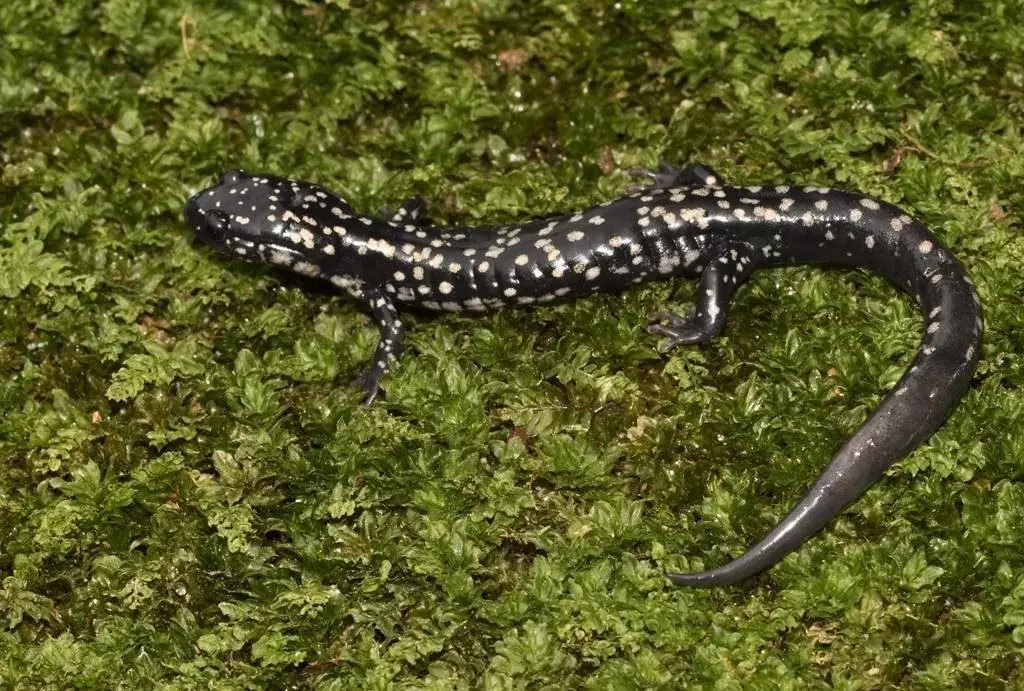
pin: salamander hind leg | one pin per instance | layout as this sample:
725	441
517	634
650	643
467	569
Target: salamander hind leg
670	176
389	347
722	275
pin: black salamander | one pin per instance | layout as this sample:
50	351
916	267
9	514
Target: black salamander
686	223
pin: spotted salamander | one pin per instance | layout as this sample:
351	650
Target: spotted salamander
682	223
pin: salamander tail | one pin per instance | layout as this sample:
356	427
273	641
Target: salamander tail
907	416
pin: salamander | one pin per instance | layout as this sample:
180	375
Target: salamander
681	223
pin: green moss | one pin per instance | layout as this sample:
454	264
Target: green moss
191	494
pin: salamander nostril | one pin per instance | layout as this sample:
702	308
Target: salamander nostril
217	220
231	177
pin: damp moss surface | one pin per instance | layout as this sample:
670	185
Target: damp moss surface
192	495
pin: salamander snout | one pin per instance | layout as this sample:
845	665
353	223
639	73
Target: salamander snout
194	218
230	214
266	218
212	209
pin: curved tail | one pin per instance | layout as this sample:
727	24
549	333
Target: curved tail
907	415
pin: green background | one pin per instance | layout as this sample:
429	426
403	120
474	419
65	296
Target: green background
192	494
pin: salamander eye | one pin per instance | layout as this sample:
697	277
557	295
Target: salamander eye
217	220
231	177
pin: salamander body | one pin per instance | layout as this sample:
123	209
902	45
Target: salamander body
686	223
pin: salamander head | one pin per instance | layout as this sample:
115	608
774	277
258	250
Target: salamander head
264	218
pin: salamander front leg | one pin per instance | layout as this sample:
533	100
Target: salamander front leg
718	282
389	347
412	210
670	176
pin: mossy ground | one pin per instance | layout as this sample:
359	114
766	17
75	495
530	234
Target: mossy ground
191	493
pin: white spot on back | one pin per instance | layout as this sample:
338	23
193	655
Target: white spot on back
767	213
